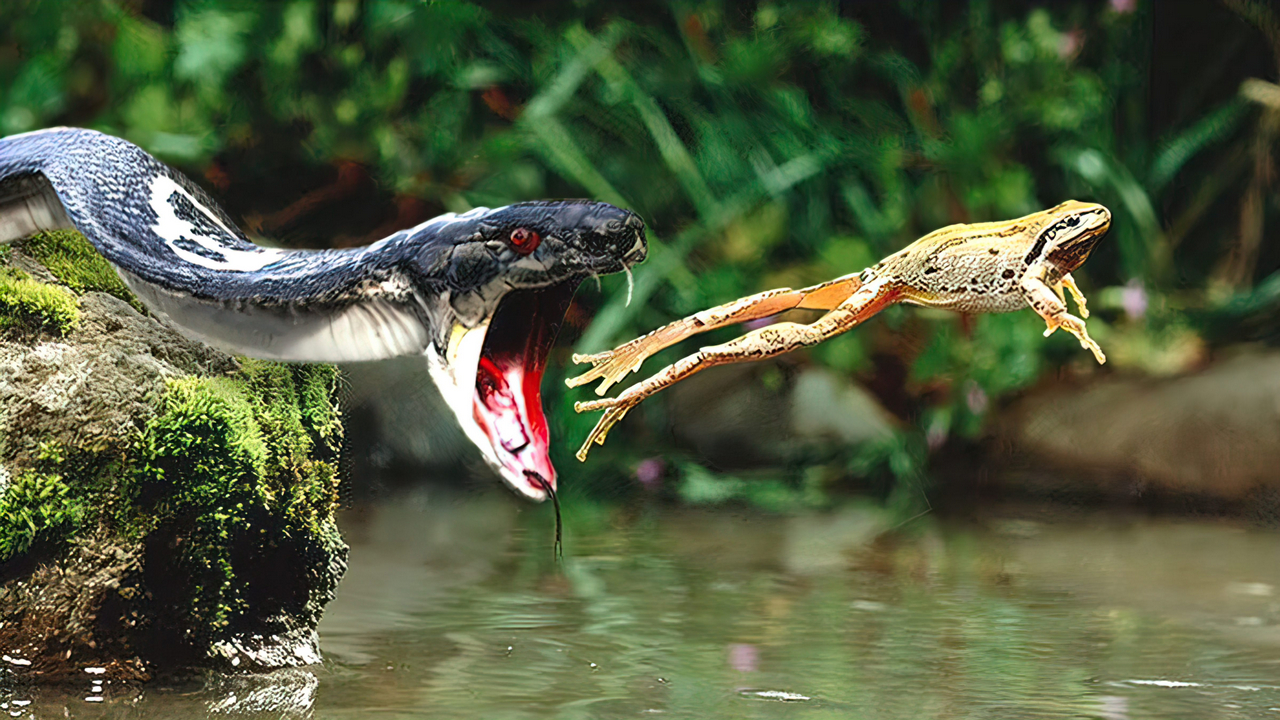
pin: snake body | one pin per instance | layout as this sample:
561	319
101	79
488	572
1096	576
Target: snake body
432	289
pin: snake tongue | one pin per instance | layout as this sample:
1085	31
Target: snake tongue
507	404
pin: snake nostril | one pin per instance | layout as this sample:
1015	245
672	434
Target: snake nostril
634	222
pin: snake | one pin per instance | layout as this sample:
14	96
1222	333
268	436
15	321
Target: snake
480	294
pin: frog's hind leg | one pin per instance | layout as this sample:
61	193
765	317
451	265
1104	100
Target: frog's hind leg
611	366
758	344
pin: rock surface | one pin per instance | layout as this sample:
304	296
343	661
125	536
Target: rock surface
767	413
1214	433
162	504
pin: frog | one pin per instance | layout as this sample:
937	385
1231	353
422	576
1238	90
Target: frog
972	268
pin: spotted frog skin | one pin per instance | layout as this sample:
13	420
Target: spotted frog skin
976	268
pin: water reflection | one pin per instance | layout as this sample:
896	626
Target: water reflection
455	607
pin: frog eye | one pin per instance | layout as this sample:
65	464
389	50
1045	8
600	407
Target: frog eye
524	240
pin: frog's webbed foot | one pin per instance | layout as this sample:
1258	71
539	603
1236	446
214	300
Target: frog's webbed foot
614	410
764	342
1076	327
610	366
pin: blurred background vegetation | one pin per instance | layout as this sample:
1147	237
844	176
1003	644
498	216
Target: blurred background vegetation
765	143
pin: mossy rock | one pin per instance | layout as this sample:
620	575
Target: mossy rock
74	261
31	307
229	475
37	509
162	504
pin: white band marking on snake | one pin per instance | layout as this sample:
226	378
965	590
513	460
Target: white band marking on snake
197	236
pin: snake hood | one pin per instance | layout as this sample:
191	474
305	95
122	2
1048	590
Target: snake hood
480	295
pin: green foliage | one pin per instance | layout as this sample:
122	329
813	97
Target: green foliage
30	306
76	264
37	509
230	461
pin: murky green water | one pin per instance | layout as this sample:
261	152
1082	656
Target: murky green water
455	608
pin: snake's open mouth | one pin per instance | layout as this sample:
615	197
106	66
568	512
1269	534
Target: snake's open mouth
508	393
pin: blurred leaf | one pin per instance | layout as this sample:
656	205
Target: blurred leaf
1144	252
141	48
36	92
299	35
1209	129
700	487
673	151
211	44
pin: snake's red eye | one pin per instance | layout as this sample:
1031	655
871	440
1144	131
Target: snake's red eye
524	240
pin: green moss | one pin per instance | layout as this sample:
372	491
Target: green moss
317	386
202	460
229	489
76	264
50	452
231	463
204	444
31	306
37	509
279	416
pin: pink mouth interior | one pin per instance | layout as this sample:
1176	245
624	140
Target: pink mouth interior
508	399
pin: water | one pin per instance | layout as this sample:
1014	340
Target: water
456	608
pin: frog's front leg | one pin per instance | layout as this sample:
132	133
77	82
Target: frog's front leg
1044	299
1070	284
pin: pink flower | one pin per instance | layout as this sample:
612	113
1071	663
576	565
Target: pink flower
650	471
1134	299
1124	7
1069	44
936	436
